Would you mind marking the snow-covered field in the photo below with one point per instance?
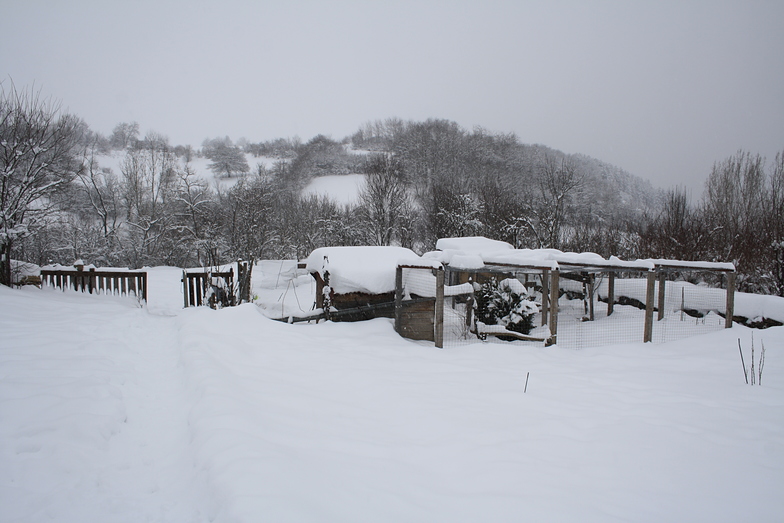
(112, 411)
(343, 189)
(199, 165)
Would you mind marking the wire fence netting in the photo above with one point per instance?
(467, 321)
(692, 303)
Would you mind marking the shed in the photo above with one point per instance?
(357, 283)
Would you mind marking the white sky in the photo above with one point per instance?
(662, 89)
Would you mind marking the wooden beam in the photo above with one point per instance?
(662, 287)
(439, 313)
(730, 300)
(648, 333)
(398, 297)
(545, 295)
(554, 291)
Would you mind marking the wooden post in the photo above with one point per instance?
(398, 298)
(185, 294)
(554, 291)
(545, 295)
(610, 292)
(662, 287)
(730, 300)
(651, 287)
(439, 313)
(469, 317)
(591, 290)
(78, 280)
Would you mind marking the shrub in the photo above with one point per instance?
(506, 303)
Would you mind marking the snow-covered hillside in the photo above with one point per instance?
(199, 165)
(114, 412)
(344, 189)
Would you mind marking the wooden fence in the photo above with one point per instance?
(97, 281)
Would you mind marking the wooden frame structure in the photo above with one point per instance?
(655, 270)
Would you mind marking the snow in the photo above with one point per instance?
(343, 189)
(466, 262)
(360, 269)
(472, 245)
(115, 412)
(696, 265)
(453, 251)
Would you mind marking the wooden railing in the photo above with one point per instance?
(96, 281)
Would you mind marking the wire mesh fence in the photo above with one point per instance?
(519, 295)
(690, 304)
(587, 317)
(416, 303)
(594, 309)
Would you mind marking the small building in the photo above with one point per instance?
(357, 283)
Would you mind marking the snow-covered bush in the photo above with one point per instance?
(506, 303)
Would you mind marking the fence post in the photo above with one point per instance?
(610, 292)
(662, 287)
(649, 291)
(591, 291)
(730, 300)
(554, 292)
(439, 314)
(244, 270)
(185, 296)
(398, 297)
(545, 295)
(143, 281)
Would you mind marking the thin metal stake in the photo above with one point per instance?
(526, 382)
(745, 374)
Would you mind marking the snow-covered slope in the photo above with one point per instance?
(343, 189)
(114, 412)
(199, 165)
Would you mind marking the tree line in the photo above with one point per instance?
(424, 180)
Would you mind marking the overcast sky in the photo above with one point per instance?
(661, 89)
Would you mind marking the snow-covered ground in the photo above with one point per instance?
(199, 165)
(112, 411)
(343, 189)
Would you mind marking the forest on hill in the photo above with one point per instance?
(423, 181)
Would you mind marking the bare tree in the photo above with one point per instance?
(227, 159)
(38, 149)
(124, 135)
(734, 206)
(102, 190)
(383, 200)
(774, 215)
(557, 183)
(150, 175)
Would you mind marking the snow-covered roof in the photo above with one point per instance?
(472, 245)
(362, 269)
